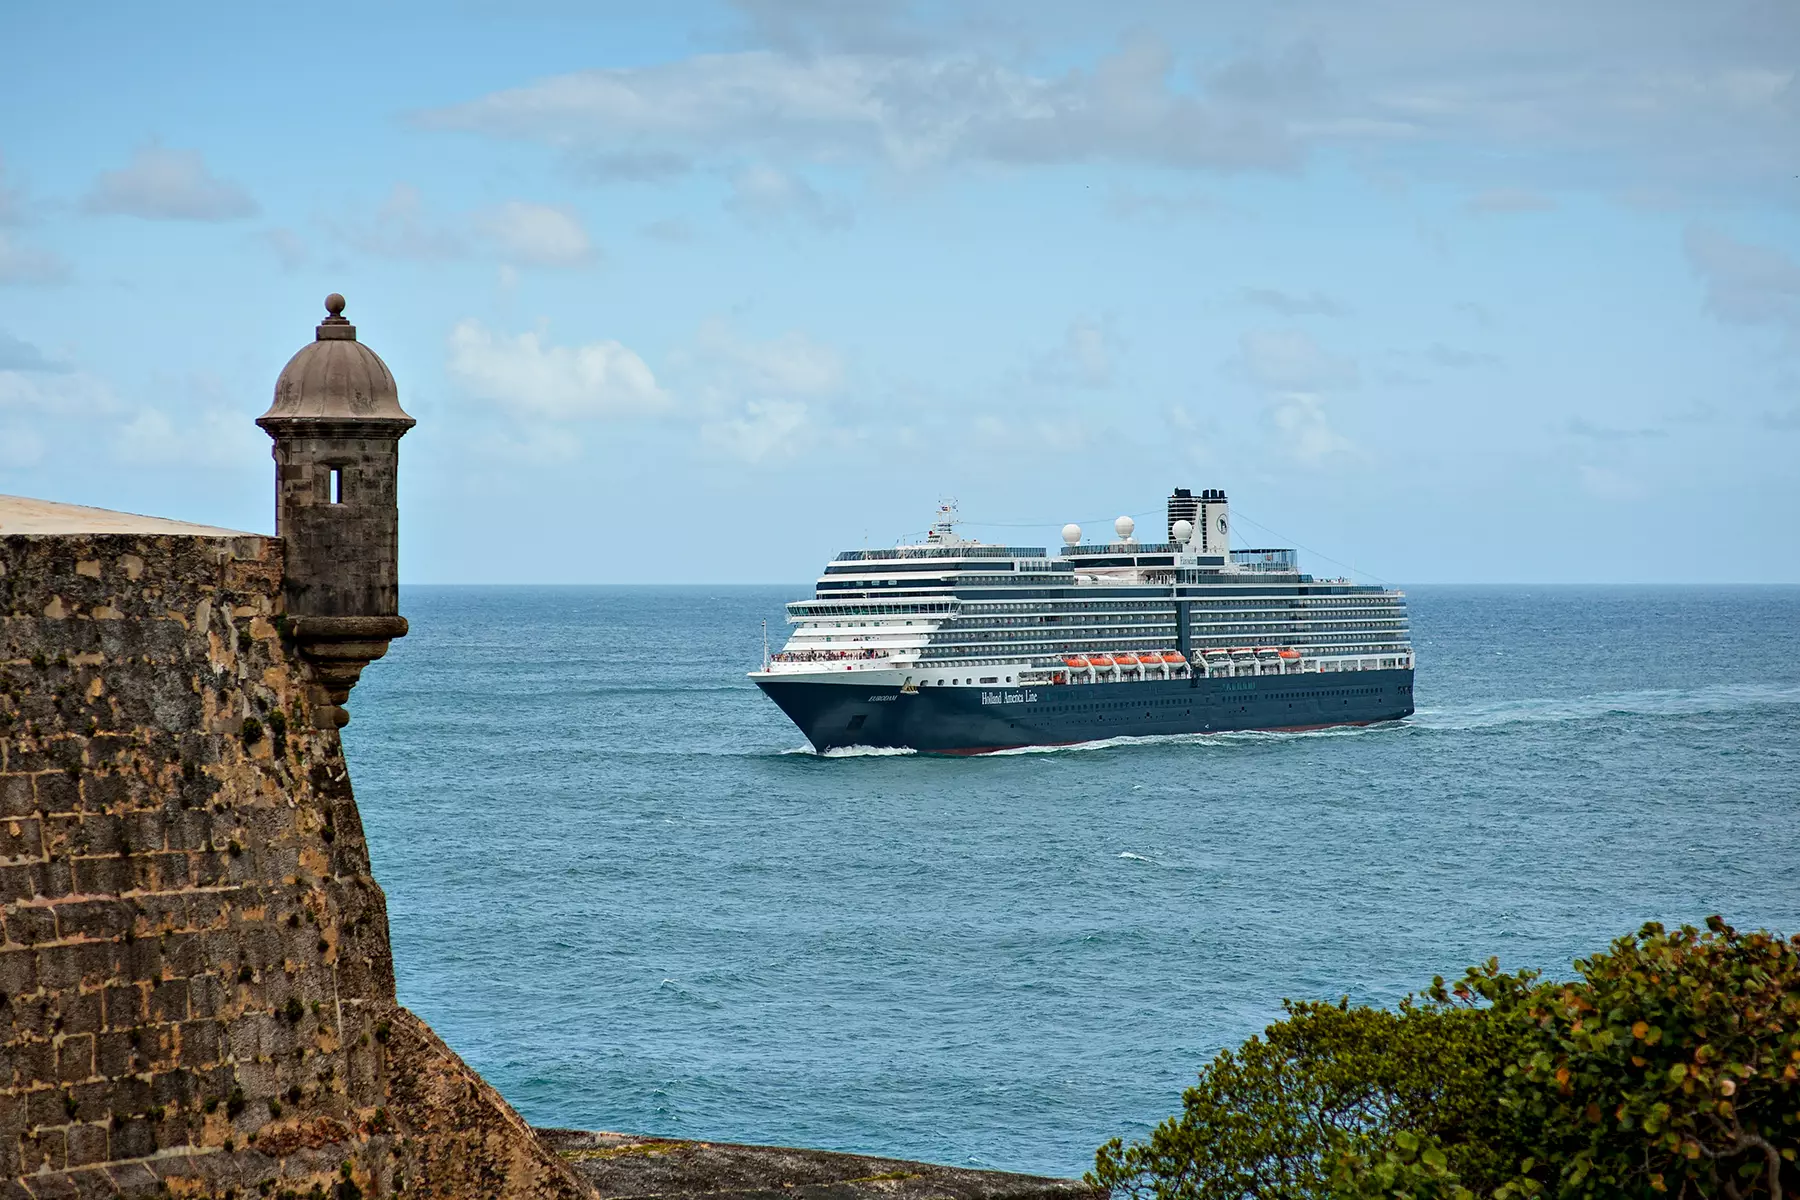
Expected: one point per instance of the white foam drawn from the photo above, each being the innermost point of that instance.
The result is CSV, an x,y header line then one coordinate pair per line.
x,y
1222,738
853,751
1138,858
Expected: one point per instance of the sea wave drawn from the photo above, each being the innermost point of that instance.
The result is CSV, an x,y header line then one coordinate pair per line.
x,y
1662,702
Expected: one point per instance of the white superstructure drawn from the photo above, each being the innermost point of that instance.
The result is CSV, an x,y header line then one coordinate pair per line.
x,y
951,612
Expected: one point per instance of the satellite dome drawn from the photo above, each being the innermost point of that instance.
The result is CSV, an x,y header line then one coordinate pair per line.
x,y
1123,527
1182,530
1071,533
336,378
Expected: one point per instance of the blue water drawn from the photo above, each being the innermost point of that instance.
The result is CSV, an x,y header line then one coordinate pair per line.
x,y
620,888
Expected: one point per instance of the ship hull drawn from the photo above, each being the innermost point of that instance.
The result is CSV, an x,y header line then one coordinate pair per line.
x,y
970,720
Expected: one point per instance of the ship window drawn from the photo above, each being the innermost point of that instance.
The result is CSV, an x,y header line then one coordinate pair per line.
x,y
337,485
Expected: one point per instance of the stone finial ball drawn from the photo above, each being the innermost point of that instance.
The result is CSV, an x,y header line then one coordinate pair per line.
x,y
334,304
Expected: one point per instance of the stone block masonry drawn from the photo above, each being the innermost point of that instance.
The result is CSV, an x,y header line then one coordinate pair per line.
x,y
196,986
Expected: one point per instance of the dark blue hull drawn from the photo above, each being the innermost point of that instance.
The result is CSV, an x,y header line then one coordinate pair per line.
x,y
964,720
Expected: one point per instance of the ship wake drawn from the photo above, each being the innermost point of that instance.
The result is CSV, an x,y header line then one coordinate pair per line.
x,y
1664,702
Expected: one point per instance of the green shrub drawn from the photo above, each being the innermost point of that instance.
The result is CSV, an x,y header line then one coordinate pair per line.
x,y
1670,1066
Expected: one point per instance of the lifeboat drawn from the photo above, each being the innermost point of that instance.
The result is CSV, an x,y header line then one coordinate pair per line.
x,y
1099,660
1290,654
1076,661
1174,659
1125,660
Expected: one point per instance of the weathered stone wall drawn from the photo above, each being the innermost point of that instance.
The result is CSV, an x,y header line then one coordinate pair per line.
x,y
346,556
196,986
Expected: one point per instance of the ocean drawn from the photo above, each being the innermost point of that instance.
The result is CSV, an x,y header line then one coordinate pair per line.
x,y
621,887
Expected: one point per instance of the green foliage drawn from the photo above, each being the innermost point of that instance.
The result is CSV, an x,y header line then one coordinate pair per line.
x,y
1327,1087
1670,1066
1409,1168
252,731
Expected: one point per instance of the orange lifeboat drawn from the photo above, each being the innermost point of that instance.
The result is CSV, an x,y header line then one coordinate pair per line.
x,y
1174,659
1125,660
1099,660
1077,662
1290,654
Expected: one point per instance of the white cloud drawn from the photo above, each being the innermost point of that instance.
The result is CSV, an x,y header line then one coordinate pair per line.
x,y
30,266
1459,359
761,401
1745,283
1086,357
401,228
537,234
910,112
41,408
789,365
630,166
1288,360
519,232
19,355
762,194
214,438
1302,430
532,378
1687,103
761,431
535,443
289,248
160,184
1293,304
1294,374
56,393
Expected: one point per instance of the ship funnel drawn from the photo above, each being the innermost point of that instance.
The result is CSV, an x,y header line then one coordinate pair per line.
x,y
1207,519
1214,522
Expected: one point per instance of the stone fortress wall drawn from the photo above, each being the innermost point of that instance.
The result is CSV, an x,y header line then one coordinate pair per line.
x,y
196,984
196,987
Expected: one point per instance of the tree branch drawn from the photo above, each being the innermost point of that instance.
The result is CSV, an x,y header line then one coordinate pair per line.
x,y
1770,1154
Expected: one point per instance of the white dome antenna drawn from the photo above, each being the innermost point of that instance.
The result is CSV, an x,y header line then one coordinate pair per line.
x,y
1072,534
1123,527
1183,530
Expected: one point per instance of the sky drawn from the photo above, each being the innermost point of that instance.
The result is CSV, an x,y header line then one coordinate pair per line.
x,y
685,292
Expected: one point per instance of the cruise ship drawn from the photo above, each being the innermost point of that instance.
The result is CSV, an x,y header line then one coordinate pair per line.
x,y
955,646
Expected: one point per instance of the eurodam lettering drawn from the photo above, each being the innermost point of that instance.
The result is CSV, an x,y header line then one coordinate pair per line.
x,y
958,647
